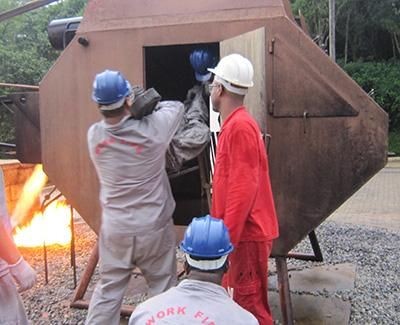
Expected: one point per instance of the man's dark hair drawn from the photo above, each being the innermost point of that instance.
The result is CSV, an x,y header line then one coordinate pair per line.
x,y
114,112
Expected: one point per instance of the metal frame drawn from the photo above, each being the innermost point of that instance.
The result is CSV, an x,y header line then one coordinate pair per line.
x,y
283,276
45,203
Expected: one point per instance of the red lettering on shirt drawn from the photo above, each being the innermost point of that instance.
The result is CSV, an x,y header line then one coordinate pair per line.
x,y
161,314
165,313
181,311
199,314
204,319
107,142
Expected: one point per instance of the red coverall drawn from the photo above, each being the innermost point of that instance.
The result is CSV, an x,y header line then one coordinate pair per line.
x,y
242,197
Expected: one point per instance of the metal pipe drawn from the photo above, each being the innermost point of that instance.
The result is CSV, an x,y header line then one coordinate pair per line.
x,y
332,30
284,291
72,246
23,9
7,145
46,271
52,200
85,279
4,84
43,206
317,257
126,310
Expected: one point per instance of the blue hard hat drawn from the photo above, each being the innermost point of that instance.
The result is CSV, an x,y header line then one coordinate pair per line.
x,y
206,237
109,87
201,60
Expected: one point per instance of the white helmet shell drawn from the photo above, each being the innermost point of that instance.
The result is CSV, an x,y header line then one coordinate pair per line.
x,y
235,69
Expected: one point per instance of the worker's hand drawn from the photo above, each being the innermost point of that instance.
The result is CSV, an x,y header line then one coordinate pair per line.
x,y
23,274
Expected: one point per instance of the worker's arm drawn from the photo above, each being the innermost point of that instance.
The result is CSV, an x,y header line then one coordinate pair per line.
x,y
8,251
168,116
21,271
243,180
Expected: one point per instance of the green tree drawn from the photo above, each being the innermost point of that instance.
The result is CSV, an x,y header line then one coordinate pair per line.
x,y
365,29
25,52
317,18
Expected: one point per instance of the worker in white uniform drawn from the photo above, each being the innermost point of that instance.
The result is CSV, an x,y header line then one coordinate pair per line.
x,y
16,275
135,195
199,299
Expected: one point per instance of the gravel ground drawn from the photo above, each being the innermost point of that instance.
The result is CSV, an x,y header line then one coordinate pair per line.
x,y
375,299
49,303
374,251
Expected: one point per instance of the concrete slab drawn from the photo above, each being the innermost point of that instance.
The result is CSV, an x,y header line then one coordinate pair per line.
x,y
377,203
313,310
328,278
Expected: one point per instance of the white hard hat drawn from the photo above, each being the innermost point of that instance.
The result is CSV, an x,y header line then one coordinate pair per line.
x,y
235,70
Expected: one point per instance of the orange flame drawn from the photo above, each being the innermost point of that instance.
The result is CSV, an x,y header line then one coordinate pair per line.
x,y
30,193
52,227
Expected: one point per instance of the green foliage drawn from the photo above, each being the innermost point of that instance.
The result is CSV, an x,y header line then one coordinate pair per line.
x,y
25,51
6,126
316,15
394,142
384,78
364,28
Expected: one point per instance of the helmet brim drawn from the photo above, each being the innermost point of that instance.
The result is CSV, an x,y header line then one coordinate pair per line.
x,y
113,106
206,265
233,82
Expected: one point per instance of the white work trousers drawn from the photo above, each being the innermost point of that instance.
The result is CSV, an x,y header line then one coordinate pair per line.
x,y
154,253
12,310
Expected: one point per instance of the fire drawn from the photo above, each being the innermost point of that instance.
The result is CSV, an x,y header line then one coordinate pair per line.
x,y
52,227
30,193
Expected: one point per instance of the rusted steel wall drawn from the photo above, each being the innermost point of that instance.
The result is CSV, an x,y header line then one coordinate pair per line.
x,y
15,176
27,131
328,136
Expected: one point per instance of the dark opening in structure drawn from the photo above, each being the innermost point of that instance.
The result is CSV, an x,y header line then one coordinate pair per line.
x,y
168,70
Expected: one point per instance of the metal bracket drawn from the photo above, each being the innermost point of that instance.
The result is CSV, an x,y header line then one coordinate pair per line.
x,y
271,47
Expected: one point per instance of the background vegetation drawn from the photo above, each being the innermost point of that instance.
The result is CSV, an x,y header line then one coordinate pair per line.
x,y
25,52
367,47
367,41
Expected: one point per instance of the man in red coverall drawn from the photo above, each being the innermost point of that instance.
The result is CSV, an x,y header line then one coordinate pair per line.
x,y
242,194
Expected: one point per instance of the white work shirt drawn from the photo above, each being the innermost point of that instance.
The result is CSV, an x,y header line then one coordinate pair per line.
x,y
4,218
192,302
129,157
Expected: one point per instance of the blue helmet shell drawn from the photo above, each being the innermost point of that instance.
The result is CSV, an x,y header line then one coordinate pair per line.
x,y
206,237
110,87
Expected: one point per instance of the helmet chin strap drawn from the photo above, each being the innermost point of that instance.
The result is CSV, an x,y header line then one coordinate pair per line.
x,y
230,87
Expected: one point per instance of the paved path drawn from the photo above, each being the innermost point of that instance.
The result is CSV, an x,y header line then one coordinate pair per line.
x,y
377,203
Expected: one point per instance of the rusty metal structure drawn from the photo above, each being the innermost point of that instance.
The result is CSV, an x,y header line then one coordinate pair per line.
x,y
327,136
